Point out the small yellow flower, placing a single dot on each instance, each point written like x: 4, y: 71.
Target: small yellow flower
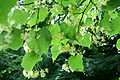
x: 65, y: 67
x: 35, y: 74
x: 26, y: 48
x: 46, y: 70
x: 42, y: 73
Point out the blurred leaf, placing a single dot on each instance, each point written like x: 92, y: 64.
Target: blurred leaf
x: 5, y: 8
x: 16, y: 41
x: 111, y: 4
x: 2, y: 37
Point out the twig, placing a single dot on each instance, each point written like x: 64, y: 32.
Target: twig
x: 82, y: 16
x: 37, y: 16
x: 28, y: 3
x: 82, y: 2
x: 95, y: 6
x: 77, y: 13
x: 61, y: 2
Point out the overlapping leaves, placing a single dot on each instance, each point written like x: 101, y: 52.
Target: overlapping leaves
x: 41, y: 42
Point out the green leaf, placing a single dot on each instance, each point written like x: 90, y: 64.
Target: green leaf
x: 43, y: 12
x: 29, y: 7
x: 28, y: 1
x: 113, y: 15
x: 111, y: 4
x: 5, y: 8
x: 55, y: 51
x: 30, y: 59
x: 31, y: 41
x: 74, y: 2
x: 105, y: 22
x: 33, y: 19
x: 63, y: 27
x: 64, y: 2
x: 44, y: 40
x: 16, y: 41
x: 19, y: 16
x: 69, y: 31
x: 2, y: 37
x: 88, y: 20
x: 57, y: 9
x: 84, y: 41
x: 95, y: 1
x: 64, y: 41
x: 118, y: 44
x: 76, y: 62
x: 115, y: 26
x: 55, y: 31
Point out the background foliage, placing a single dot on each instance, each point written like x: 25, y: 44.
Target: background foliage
x: 60, y: 39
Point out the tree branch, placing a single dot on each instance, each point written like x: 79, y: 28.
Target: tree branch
x: 27, y: 4
x: 82, y: 16
x: 37, y: 16
x: 95, y: 6
x: 77, y: 13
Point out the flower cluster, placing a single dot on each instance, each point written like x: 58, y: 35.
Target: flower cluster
x: 64, y: 48
x: 30, y: 74
x: 35, y: 74
x: 67, y: 68
x: 83, y: 30
x: 99, y: 34
x: 26, y: 48
x: 2, y: 28
x: 68, y: 48
x: 71, y: 20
